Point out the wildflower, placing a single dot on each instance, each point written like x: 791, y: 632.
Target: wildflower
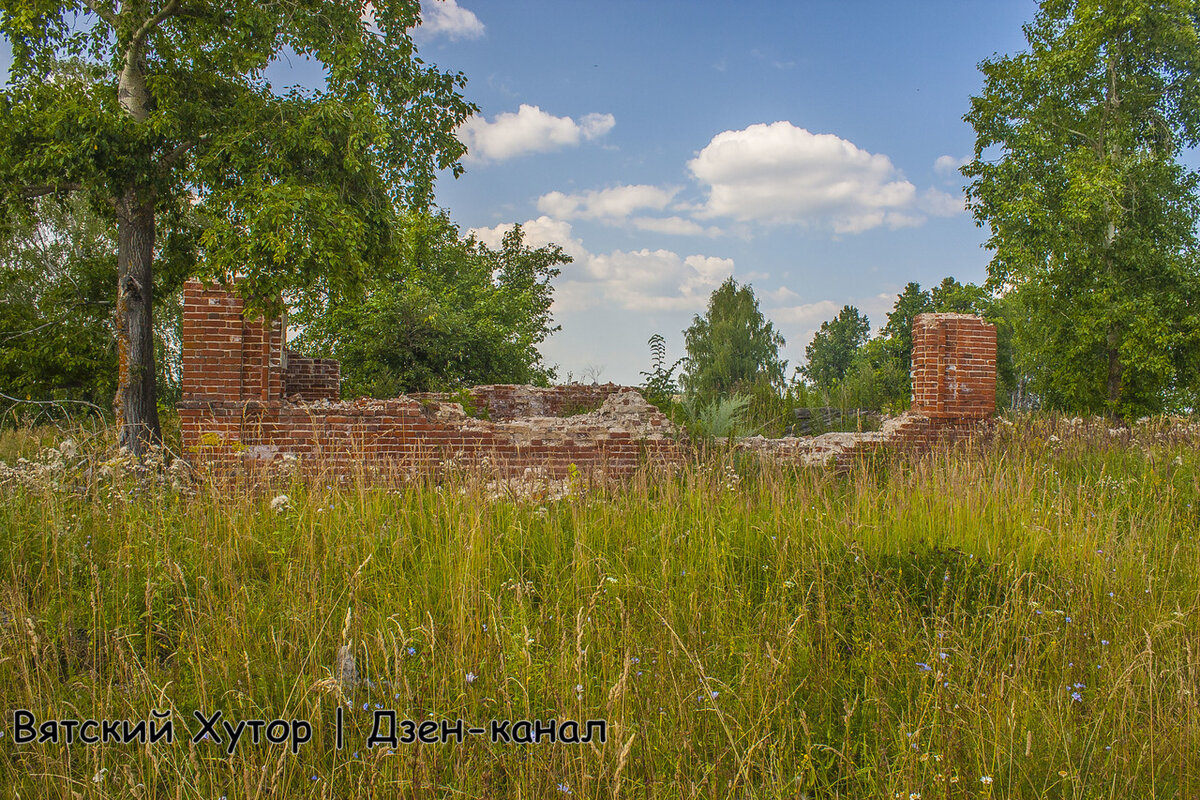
x: 579, y: 688
x: 1077, y: 697
x: 1104, y: 642
x: 923, y: 667
x: 412, y: 651
x: 471, y: 676
x: 986, y: 780
x: 280, y: 504
x: 943, y: 656
x: 562, y: 787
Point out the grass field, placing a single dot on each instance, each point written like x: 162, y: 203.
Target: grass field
x: 1017, y: 620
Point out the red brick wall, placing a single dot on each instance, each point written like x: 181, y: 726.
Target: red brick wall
x: 308, y: 380
x: 953, y: 366
x: 225, y: 355
x: 246, y: 400
x: 407, y: 434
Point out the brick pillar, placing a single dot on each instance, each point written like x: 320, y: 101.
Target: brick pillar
x: 953, y: 366
x: 225, y: 355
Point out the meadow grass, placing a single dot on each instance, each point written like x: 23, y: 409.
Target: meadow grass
x: 1018, y: 619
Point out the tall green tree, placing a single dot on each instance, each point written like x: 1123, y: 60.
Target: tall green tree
x: 447, y: 312
x: 898, y: 331
x: 1092, y: 215
x: 151, y: 108
x: 732, y: 346
x: 834, y: 347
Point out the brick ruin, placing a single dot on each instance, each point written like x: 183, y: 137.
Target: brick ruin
x: 248, y: 400
x: 954, y: 398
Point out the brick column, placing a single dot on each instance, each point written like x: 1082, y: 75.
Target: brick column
x: 227, y: 357
x: 953, y: 366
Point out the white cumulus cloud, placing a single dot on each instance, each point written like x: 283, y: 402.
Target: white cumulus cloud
x: 615, y: 203
x: 780, y: 174
x: 676, y: 226
x: 529, y: 130
x: 640, y: 280
x: 947, y: 166
x: 447, y: 18
x: 808, y: 314
x: 538, y: 233
x: 942, y: 204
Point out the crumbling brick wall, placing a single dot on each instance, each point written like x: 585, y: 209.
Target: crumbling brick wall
x: 508, y: 401
x: 247, y: 399
x: 953, y: 398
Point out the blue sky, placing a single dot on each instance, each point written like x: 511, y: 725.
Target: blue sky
x: 808, y: 148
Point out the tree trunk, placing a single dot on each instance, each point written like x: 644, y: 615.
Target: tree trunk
x: 1115, y: 369
x: 136, y: 403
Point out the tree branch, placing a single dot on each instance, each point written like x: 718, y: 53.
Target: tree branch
x: 170, y: 159
x: 169, y: 10
x: 34, y: 192
x: 102, y: 12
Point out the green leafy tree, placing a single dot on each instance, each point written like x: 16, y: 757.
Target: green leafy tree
x: 912, y: 301
x: 448, y: 312
x: 1092, y: 216
x: 56, y: 339
x: 733, y: 345
x: 834, y: 347
x: 158, y: 107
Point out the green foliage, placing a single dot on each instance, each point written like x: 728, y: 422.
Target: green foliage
x: 834, y: 346
x: 295, y: 189
x: 1091, y: 215
x: 56, y: 315
x: 898, y: 330
x: 879, y: 377
x: 659, y: 387
x: 716, y: 418
x: 160, y: 112
x: 732, y: 345
x: 56, y: 338
x: 446, y: 312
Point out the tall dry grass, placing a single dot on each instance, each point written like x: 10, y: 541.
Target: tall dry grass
x: 1016, y: 620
